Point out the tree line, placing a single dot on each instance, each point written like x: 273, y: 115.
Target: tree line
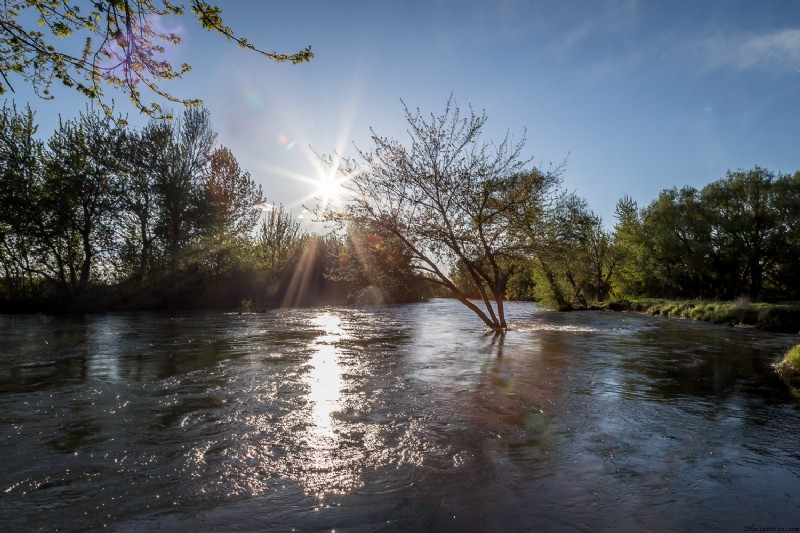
x: 100, y: 216
x: 738, y: 236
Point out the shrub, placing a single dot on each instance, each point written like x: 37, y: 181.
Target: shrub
x: 789, y: 367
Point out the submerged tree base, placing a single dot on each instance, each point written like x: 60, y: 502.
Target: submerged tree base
x: 780, y: 318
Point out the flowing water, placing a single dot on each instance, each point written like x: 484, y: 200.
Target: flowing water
x: 396, y: 418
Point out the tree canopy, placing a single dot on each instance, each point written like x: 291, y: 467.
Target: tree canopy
x: 735, y: 237
x: 88, y: 44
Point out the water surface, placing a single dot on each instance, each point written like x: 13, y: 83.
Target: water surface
x: 397, y: 418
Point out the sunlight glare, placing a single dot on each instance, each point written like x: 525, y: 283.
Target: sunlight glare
x: 325, y: 376
x: 329, y: 190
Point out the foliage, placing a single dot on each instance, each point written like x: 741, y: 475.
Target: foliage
x: 450, y: 198
x: 735, y: 237
x: 377, y: 267
x: 575, y: 256
x: 161, y: 211
x: 99, y: 216
x: 88, y: 44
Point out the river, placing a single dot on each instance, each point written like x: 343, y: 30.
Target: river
x: 397, y: 418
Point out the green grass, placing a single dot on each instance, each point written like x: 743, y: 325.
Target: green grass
x: 789, y: 367
x: 783, y: 318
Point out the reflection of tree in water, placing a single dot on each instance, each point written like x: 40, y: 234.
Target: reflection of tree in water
x: 512, y: 411
x: 694, y: 363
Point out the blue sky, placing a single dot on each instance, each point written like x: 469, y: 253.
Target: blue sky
x: 637, y: 96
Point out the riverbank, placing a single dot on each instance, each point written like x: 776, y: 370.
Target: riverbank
x: 789, y: 367
x: 780, y: 318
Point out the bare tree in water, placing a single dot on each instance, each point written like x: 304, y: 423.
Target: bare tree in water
x: 451, y: 198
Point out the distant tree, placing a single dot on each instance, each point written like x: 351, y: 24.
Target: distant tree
x: 278, y: 245
x: 574, y: 255
x: 377, y: 267
x: 229, y: 207
x: 80, y: 194
x: 521, y: 284
x: 142, y: 168
x: 21, y: 174
x: 448, y: 197
x: 736, y: 237
x: 115, y: 42
x: 186, y: 157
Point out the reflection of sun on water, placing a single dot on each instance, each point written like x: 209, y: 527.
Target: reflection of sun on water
x: 325, y: 377
x: 325, y: 389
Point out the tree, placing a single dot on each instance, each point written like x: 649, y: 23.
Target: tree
x: 121, y: 46
x: 629, y: 276
x: 231, y: 201
x: 734, y: 238
x: 448, y: 197
x: 145, y: 161
x: 740, y: 207
x: 81, y: 166
x: 229, y: 207
x: 20, y: 195
x: 785, y: 276
x: 574, y: 254
x: 377, y: 267
x: 278, y: 243
x: 186, y: 157
x: 683, y: 260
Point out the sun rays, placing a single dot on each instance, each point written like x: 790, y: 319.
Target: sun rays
x: 296, y: 140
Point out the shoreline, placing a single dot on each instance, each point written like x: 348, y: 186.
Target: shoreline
x: 777, y: 317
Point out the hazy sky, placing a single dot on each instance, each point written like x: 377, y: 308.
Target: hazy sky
x: 638, y: 96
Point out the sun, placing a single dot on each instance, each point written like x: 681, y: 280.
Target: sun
x: 330, y: 190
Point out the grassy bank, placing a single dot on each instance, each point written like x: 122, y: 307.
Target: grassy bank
x: 783, y: 318
x: 789, y: 366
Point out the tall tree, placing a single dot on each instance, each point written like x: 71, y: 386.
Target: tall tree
x: 145, y: 163
x: 449, y: 197
x: 629, y: 276
x: 20, y: 198
x: 122, y: 46
x: 231, y: 199
x: 740, y: 208
x: 229, y: 207
x: 679, y: 239
x: 81, y: 166
x: 188, y: 153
